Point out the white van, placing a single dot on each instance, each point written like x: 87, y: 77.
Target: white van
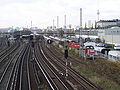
x: 114, y: 55
x: 117, y: 46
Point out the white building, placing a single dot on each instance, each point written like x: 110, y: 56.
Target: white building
x: 110, y: 35
x: 107, y: 23
x: 109, y: 30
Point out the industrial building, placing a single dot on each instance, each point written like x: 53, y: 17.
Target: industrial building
x: 107, y: 23
x: 109, y: 31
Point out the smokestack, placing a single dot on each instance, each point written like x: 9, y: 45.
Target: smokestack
x: 98, y: 13
x: 80, y: 17
x: 57, y: 21
x: 65, y: 21
x: 31, y: 24
x: 53, y: 24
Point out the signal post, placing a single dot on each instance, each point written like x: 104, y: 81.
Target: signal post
x: 66, y: 56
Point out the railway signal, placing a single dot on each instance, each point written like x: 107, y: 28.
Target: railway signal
x: 8, y: 42
x: 66, y: 53
x: 31, y: 37
x: 66, y: 56
x: 32, y: 44
x: 49, y: 41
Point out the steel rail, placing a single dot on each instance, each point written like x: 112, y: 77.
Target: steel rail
x: 28, y: 71
x: 9, y: 62
x: 73, y: 73
x: 14, y: 72
x: 21, y: 68
x: 50, y: 69
x: 9, y: 50
x: 7, y: 71
x: 78, y: 75
x: 44, y: 73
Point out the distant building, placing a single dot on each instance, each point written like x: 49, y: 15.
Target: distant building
x: 110, y: 35
x: 87, y: 32
x: 107, y: 23
x: 109, y: 30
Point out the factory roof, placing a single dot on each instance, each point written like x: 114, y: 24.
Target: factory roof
x: 114, y: 20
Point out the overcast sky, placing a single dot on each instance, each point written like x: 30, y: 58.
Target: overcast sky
x: 42, y: 12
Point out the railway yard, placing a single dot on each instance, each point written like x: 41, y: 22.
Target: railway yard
x: 37, y: 65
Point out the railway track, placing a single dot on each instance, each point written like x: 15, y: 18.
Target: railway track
x: 56, y: 51
x: 19, y: 78
x: 33, y: 73
x: 7, y: 58
x: 53, y: 78
x: 26, y: 78
x: 12, y: 83
x: 23, y: 70
x: 81, y: 81
x: 8, y: 51
x: 7, y: 69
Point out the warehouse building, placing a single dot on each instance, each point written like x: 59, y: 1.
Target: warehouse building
x: 109, y: 31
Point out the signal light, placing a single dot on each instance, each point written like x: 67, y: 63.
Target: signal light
x: 49, y: 41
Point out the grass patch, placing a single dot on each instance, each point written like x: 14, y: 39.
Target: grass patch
x: 84, y: 72
x: 104, y: 73
x: 101, y: 72
x: 73, y: 53
x: 97, y: 79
